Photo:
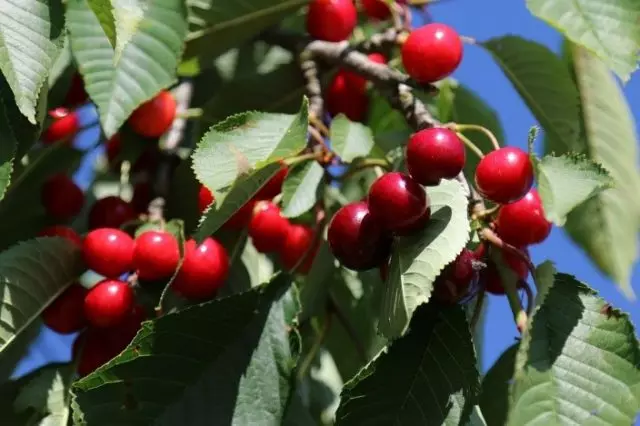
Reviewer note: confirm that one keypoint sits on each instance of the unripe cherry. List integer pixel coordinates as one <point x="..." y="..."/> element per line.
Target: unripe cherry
<point x="434" y="154"/>
<point x="504" y="175"/>
<point x="432" y="52"/>
<point x="154" y="117"/>
<point x="108" y="251"/>
<point x="331" y="20"/>
<point x="523" y="222"/>
<point x="108" y="303"/>
<point x="156" y="255"/>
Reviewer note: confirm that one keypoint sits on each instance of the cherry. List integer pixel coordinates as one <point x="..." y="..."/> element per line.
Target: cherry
<point x="62" y="231"/>
<point x="64" y="125"/>
<point x="343" y="99"/>
<point x="453" y="282"/>
<point x="298" y="243"/>
<point x="491" y="275"/>
<point x="66" y="313"/>
<point x="434" y="154"/>
<point x="92" y="351"/>
<point x="268" y="229"/>
<point x="108" y="251"/>
<point x="356" y="239"/>
<point x="108" y="303"/>
<point x="61" y="197"/>
<point x="523" y="222"/>
<point x="76" y="94"/>
<point x="397" y="202"/>
<point x="156" y="255"/>
<point x="331" y="20"/>
<point x="205" y="198"/>
<point x="113" y="147"/>
<point x="154" y="117"/>
<point x="241" y="218"/>
<point x="273" y="186"/>
<point x="431" y="52"/>
<point x="356" y="82"/>
<point x="504" y="175"/>
<point x="376" y="9"/>
<point x="204" y="269"/>
<point x="111" y="212"/>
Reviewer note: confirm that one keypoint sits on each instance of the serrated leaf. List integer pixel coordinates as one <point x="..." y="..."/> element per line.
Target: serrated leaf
<point x="243" y="142"/>
<point x="351" y="140"/>
<point x="427" y="377"/>
<point x="300" y="188"/>
<point x="578" y="363"/>
<point x="566" y="181"/>
<point x="606" y="226"/>
<point x="417" y="260"/>
<point x="32" y="275"/>
<point x="104" y="11"/>
<point x="227" y="361"/>
<point x="609" y="29"/>
<point x="146" y="65"/>
<point x="389" y="127"/>
<point x="213" y="30"/>
<point x="127" y="16"/>
<point x="47" y="395"/>
<point x="544" y="83"/>
<point x="30" y="37"/>
<point x="494" y="395"/>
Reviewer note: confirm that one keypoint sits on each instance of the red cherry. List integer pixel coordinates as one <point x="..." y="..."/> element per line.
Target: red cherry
<point x="331" y="20"/>
<point x="492" y="278"/>
<point x="205" y="198"/>
<point x="61" y="197"/>
<point x="108" y="303"/>
<point x="112" y="149"/>
<point x="504" y="175"/>
<point x="434" y="154"/>
<point x="108" y="251"/>
<point x="397" y="201"/>
<point x="355" y="81"/>
<point x="63" y="126"/>
<point x="204" y="270"/>
<point x="356" y="239"/>
<point x="92" y="351"/>
<point x="523" y="222"/>
<point x="273" y="186"/>
<point x="154" y="117"/>
<point x="376" y="9"/>
<point x="77" y="94"/>
<point x="453" y="282"/>
<point x="431" y="52"/>
<point x="298" y="242"/>
<point x="66" y="313"/>
<point x="111" y="212"/>
<point x="342" y="99"/>
<point x="268" y="229"/>
<point x="62" y="231"/>
<point x="241" y="218"/>
<point x="417" y="226"/>
<point x="156" y="255"/>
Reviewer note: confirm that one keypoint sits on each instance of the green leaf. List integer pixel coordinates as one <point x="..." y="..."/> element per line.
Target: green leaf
<point x="606" y="226"/>
<point x="566" y="181"/>
<point x="183" y="196"/>
<point x="32" y="275"/>
<point x="351" y="140"/>
<point x="228" y="361"/>
<point x="146" y="65"/>
<point x="544" y="83"/>
<point x="315" y="289"/>
<point x="389" y="127"/>
<point x="608" y="29"/>
<point x="427" y="377"/>
<point x="213" y="29"/>
<point x="247" y="141"/>
<point x="578" y="363"/>
<point x="301" y="188"/>
<point x="494" y="395"/>
<point x="417" y="260"/>
<point x="31" y="34"/>
<point x="47" y="394"/>
<point x="104" y="11"/>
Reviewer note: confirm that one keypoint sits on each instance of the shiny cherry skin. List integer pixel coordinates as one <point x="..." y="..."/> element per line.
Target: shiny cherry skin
<point x="300" y="239"/>
<point x="204" y="270"/>
<point x="523" y="222"/>
<point x="65" y="314"/>
<point x="376" y="9"/>
<point x="64" y="125"/>
<point x="356" y="82"/>
<point x="108" y="251"/>
<point x="504" y="175"/>
<point x="431" y="52"/>
<point x="273" y="186"/>
<point x="341" y="98"/>
<point x="154" y="117"/>
<point x="156" y="255"/>
<point x="108" y="303"/>
<point x="356" y="239"/>
<point x="268" y="228"/>
<point x="62" y="231"/>
<point x="111" y="212"/>
<point x="205" y="198"/>
<point x="454" y="281"/>
<point x="331" y="20"/>
<point x="434" y="154"/>
<point x="61" y="197"/>
<point x="397" y="201"/>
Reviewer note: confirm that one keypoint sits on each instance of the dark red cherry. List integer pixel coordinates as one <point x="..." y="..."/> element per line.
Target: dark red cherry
<point x="61" y="197"/>
<point x="111" y="212"/>
<point x="341" y="98"/>
<point x="492" y="277"/>
<point x="434" y="154"/>
<point x="62" y="231"/>
<point x="523" y="222"/>
<point x="108" y="251"/>
<point x="66" y="313"/>
<point x="454" y="281"/>
<point x="504" y="175"/>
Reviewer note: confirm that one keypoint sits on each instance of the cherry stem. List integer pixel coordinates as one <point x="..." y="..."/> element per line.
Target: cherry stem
<point x="529" y="295"/>
<point x="469" y="144"/>
<point x="190" y="113"/>
<point x="318" y="124"/>
<point x="462" y="127"/>
<point x="485" y="213"/>
<point x="303" y="157"/>
<point x="317" y="345"/>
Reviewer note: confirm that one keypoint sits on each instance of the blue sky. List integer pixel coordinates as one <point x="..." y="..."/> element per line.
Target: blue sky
<point x="481" y="20"/>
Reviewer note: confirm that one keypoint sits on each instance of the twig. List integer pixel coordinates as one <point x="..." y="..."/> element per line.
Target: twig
<point x="313" y="88"/>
